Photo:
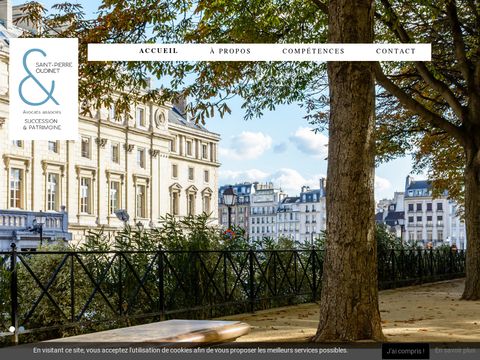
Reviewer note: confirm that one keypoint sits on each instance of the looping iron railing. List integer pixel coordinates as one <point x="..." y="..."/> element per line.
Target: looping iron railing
<point x="57" y="293"/>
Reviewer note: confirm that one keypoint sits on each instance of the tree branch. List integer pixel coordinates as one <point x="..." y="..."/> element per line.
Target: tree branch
<point x="413" y="105"/>
<point x="323" y="7"/>
<point x="395" y="26"/>
<point x="459" y="45"/>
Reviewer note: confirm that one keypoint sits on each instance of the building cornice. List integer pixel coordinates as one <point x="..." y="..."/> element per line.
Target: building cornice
<point x="189" y="131"/>
<point x="194" y="160"/>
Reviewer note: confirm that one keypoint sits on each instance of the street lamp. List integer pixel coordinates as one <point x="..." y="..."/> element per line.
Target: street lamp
<point x="140" y="226"/>
<point x="38" y="223"/>
<point x="229" y="200"/>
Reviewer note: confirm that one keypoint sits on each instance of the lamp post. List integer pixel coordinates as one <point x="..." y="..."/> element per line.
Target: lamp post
<point x="38" y="225"/>
<point x="229" y="200"/>
<point x="402" y="230"/>
<point x="140" y="226"/>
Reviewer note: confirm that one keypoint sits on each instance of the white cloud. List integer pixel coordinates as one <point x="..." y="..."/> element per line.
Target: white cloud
<point x="230" y="176"/>
<point x="289" y="180"/>
<point x="247" y="145"/>
<point x="310" y="143"/>
<point x="382" y="184"/>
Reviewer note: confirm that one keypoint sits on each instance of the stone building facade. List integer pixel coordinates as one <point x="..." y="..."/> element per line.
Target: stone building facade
<point x="149" y="162"/>
<point x="431" y="221"/>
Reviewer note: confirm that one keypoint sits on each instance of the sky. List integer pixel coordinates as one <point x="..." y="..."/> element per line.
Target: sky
<point x="279" y="147"/>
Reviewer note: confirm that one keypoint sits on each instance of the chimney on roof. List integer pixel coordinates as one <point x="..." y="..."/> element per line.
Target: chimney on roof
<point x="180" y="103"/>
<point x="408" y="182"/>
<point x="322" y="185"/>
<point x="6" y="13"/>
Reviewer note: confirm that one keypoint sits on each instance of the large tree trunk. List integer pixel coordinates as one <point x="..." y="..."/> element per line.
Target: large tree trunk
<point x="472" y="222"/>
<point x="349" y="301"/>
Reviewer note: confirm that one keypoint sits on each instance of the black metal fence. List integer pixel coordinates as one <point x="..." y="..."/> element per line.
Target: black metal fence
<point x="52" y="294"/>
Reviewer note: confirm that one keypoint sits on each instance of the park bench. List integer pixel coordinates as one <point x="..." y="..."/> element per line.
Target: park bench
<point x="171" y="331"/>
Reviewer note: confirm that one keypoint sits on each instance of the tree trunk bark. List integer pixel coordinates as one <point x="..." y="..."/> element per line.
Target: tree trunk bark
<point x="349" y="300"/>
<point x="472" y="223"/>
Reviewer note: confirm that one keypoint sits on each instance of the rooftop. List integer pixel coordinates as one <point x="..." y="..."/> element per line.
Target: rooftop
<point x="175" y="117"/>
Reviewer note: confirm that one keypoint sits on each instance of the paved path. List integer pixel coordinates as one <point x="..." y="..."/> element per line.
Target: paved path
<point x="431" y="312"/>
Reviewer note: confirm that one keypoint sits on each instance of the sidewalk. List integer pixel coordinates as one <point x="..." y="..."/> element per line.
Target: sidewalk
<point x="431" y="312"/>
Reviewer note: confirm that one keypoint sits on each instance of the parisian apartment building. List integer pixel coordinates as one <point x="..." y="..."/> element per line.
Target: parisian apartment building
<point x="413" y="215"/>
<point x="265" y="210"/>
<point x="416" y="216"/>
<point x="149" y="162"/>
<point x="240" y="216"/>
<point x="264" y="206"/>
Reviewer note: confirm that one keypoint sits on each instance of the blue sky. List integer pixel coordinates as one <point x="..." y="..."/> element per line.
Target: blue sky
<point x="278" y="147"/>
<point x="282" y="147"/>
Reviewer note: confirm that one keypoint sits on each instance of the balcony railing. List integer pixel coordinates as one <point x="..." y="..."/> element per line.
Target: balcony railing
<point x="17" y="225"/>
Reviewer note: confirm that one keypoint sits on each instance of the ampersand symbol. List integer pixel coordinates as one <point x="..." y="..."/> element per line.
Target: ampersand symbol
<point x="31" y="76"/>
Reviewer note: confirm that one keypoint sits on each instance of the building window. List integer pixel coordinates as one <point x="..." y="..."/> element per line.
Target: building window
<point x="113" y="116"/>
<point x="86" y="147"/>
<point x="191" y="204"/>
<point x="439" y="206"/>
<point x="410" y="207"/>
<point x="115" y="153"/>
<point x="189" y="148"/>
<point x="419" y="219"/>
<point x="429" y="206"/>
<point x="173" y="145"/>
<point x="140" y="117"/>
<point x="141" y="201"/>
<point x="206" y="176"/>
<point x="206" y="204"/>
<point x="429" y="220"/>
<point x="141" y="157"/>
<point x="440" y="220"/>
<point x="175" y="203"/>
<point x="419" y="207"/>
<point x="175" y="171"/>
<point x="85" y="195"/>
<point x="52" y="192"/>
<point x="53" y="146"/>
<point x="204" y="151"/>
<point x="439" y="235"/>
<point x="190" y="173"/>
<point x="16" y="188"/>
<point x="419" y="235"/>
<point x="111" y="113"/>
<point x="114" y="203"/>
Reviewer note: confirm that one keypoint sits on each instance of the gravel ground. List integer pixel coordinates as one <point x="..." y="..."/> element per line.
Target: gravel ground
<point x="430" y="313"/>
